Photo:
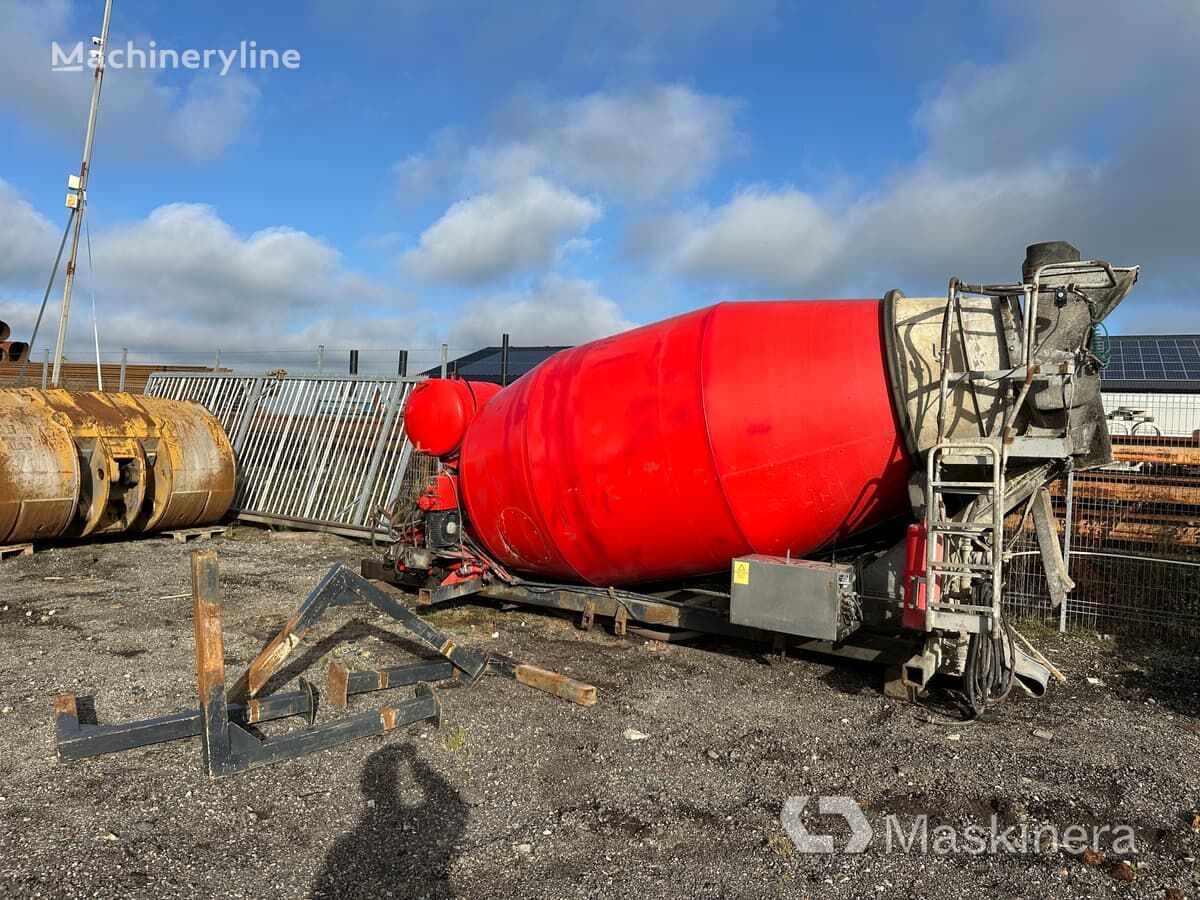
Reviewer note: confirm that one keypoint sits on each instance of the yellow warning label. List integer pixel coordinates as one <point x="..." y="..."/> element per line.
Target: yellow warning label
<point x="741" y="572"/>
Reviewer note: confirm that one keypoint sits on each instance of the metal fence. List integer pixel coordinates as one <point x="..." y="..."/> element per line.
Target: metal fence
<point x="1131" y="531"/>
<point x="315" y="451"/>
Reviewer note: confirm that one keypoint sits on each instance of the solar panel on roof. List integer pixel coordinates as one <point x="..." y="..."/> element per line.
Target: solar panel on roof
<point x="1167" y="358"/>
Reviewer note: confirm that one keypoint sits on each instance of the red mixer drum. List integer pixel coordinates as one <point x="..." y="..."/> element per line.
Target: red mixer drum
<point x="664" y="452"/>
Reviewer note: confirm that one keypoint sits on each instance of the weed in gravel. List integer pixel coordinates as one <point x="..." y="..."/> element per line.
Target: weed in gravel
<point x="455" y="742"/>
<point x="781" y="846"/>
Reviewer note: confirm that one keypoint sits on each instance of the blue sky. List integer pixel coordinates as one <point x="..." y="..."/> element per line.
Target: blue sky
<point x="445" y="171"/>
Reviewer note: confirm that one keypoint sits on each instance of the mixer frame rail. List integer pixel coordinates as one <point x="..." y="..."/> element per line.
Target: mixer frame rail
<point x="224" y="717"/>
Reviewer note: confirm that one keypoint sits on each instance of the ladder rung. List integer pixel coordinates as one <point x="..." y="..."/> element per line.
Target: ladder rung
<point x="964" y="485"/>
<point x="962" y="608"/>
<point x="961" y="527"/>
<point x="962" y="567"/>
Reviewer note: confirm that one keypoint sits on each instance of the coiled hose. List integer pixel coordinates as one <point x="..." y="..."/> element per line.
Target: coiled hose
<point x="988" y="674"/>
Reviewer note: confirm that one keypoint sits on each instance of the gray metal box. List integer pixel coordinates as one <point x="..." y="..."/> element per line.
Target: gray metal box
<point x="794" y="596"/>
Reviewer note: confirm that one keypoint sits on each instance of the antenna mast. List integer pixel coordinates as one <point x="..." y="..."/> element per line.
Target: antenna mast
<point x="77" y="198"/>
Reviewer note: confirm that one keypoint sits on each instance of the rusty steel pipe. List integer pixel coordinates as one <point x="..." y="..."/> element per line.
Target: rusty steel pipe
<point x="13" y="351"/>
<point x="74" y="464"/>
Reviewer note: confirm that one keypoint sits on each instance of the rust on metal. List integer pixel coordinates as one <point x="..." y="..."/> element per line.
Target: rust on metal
<point x="81" y="463"/>
<point x="556" y="684"/>
<point x="620" y="619"/>
<point x="337" y="679"/>
<point x="64" y="705"/>
<point x="259" y="672"/>
<point x="254" y="711"/>
<point x="387" y="717"/>
<point x="206" y="611"/>
<point x="589" y="615"/>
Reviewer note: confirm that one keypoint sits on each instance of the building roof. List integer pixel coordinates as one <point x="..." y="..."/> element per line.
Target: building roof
<point x="485" y="364"/>
<point x="1160" y="363"/>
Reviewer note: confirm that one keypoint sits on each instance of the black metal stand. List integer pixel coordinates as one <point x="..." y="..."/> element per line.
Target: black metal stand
<point x="222" y="717"/>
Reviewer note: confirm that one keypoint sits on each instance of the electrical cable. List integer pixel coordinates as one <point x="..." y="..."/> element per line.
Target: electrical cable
<point x="87" y="227"/>
<point x="1100" y="344"/>
<point x="46" y="297"/>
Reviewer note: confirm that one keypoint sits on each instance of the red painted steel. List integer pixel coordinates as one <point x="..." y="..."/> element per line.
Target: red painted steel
<point x="663" y="452"/>
<point x="438" y="411"/>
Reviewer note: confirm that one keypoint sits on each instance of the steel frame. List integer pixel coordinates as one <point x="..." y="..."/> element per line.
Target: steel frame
<point x="224" y="716"/>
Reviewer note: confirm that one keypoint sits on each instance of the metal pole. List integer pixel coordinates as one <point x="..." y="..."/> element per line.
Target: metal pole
<point x="81" y="193"/>
<point x="217" y="362"/>
<point x="353" y="362"/>
<point x="124" y="363"/>
<point x="1070" y="515"/>
<point x="320" y="358"/>
<point x="445" y="358"/>
<point x="402" y="363"/>
<point x="503" y="359"/>
<point x="45" y="367"/>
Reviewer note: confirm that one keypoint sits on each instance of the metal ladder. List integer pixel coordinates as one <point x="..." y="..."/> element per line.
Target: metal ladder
<point x="962" y="554"/>
<point x="964" y="564"/>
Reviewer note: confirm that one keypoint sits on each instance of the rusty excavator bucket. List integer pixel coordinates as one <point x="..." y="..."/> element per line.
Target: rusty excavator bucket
<point x="224" y="715"/>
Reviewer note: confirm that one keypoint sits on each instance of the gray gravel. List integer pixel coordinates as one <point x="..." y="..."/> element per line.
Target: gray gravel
<point x="523" y="795"/>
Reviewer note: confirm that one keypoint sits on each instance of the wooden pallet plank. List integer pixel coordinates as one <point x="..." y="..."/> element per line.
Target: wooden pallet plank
<point x="183" y="535"/>
<point x="1132" y="490"/>
<point x="1155" y="453"/>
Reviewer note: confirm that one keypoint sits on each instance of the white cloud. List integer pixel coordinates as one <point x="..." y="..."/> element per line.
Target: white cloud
<point x="183" y="278"/>
<point x="1046" y="144"/>
<point x="635" y="146"/>
<point x="517" y="228"/>
<point x="142" y="117"/>
<point x="777" y="237"/>
<point x="553" y="311"/>
<point x="28" y="240"/>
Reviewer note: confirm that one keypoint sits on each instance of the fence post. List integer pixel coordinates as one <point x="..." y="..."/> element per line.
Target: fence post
<point x="385" y="433"/>
<point x="320" y="358"/>
<point x="504" y="360"/>
<point x="124" y="364"/>
<point x="217" y="368"/>
<point x="402" y="363"/>
<point x="249" y="408"/>
<point x="445" y="358"/>
<point x="45" y="367"/>
<point x="1067" y="525"/>
<point x="353" y="362"/>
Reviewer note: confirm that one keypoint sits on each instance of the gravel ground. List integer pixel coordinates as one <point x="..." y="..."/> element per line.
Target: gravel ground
<point x="523" y="795"/>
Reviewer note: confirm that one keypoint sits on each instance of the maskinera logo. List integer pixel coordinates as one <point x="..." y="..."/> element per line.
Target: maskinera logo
<point x="916" y="835"/>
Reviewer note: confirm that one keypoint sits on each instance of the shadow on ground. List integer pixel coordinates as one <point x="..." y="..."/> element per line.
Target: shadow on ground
<point x="399" y="848"/>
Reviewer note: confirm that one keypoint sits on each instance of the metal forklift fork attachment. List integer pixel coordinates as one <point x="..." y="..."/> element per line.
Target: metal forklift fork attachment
<point x="222" y="718"/>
